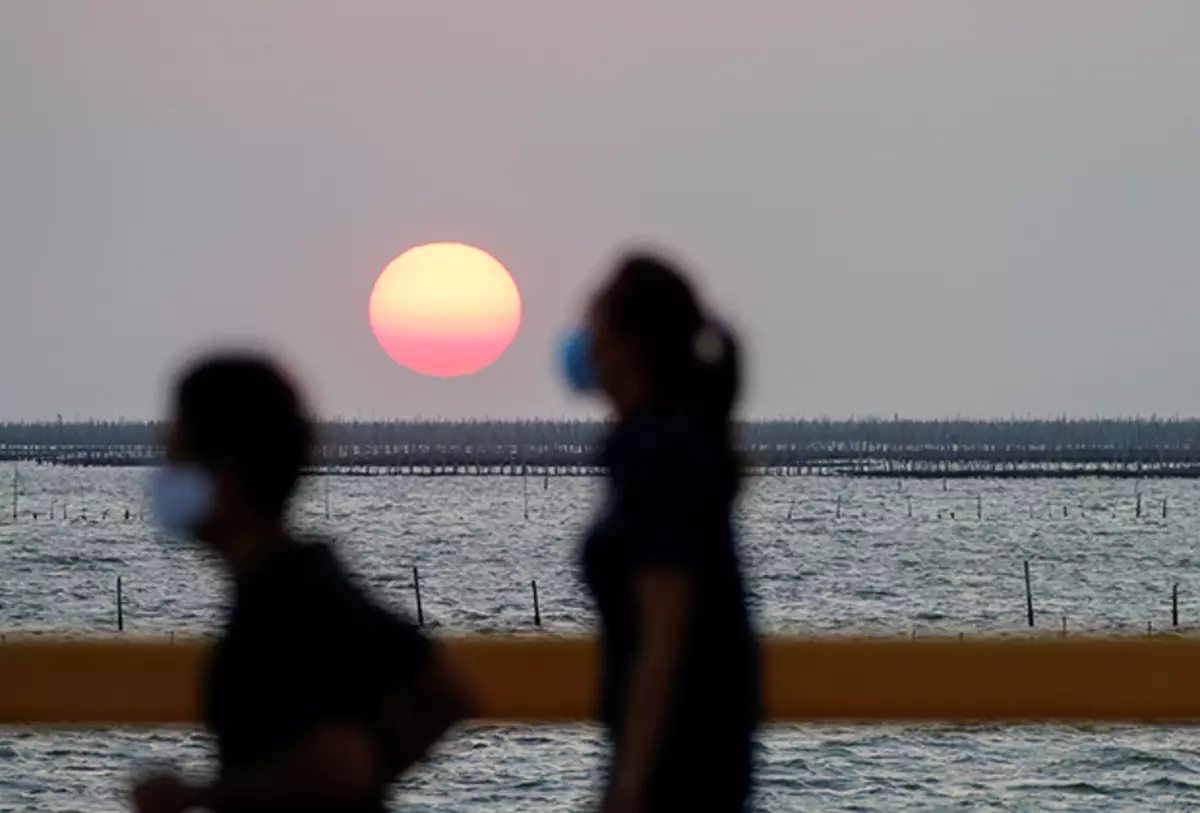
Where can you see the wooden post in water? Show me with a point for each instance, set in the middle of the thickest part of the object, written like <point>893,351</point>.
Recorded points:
<point>1164,507</point>
<point>1138,512</point>
<point>1028,595</point>
<point>326,478</point>
<point>979,506</point>
<point>525,486</point>
<point>910,507</point>
<point>537,609</point>
<point>791,506</point>
<point>417,591</point>
<point>120,607</point>
<point>838,509</point>
<point>16,489</point>
<point>1175,605</point>
<point>1064,625</point>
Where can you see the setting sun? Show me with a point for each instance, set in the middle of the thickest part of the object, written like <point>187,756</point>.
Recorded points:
<point>445,309</point>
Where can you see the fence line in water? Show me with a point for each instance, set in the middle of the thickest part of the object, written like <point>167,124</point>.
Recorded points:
<point>62,510</point>
<point>839,505</point>
<point>536,616</point>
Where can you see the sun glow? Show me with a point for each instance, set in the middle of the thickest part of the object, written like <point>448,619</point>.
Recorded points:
<point>445,309</point>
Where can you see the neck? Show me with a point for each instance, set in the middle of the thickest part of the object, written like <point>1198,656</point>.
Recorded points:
<point>630,401</point>
<point>249,547</point>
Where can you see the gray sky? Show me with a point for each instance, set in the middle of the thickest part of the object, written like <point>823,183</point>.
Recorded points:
<point>930,208</point>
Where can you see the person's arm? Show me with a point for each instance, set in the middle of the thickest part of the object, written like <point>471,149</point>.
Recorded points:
<point>342,763</point>
<point>335,764</point>
<point>413,720</point>
<point>665,605</point>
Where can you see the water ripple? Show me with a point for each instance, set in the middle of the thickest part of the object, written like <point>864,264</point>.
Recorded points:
<point>875,569</point>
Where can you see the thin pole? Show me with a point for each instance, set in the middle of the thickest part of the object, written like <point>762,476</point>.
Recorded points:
<point>326,496</point>
<point>979,506</point>
<point>120,607</point>
<point>525,486</point>
<point>1028,595</point>
<point>1175,605</point>
<point>1139,506</point>
<point>537,610</point>
<point>417,590</point>
<point>16,488</point>
<point>839,506</point>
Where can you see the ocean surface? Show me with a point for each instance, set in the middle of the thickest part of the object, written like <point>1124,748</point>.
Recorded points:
<point>830,556</point>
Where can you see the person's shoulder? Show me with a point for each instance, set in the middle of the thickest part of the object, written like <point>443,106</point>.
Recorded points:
<point>333,581</point>
<point>315,582</point>
<point>314,562</point>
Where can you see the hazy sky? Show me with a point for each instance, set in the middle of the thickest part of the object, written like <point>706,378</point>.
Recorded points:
<point>924,208</point>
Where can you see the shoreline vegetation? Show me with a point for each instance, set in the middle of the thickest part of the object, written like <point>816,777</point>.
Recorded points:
<point>900,448</point>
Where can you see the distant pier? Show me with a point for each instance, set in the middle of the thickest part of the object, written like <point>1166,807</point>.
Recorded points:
<point>895,449</point>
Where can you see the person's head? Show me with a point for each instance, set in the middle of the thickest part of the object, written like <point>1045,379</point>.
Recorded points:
<point>654,345</point>
<point>240,431</point>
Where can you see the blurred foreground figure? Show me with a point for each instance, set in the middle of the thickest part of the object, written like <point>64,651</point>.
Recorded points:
<point>318,698</point>
<point>680,687</point>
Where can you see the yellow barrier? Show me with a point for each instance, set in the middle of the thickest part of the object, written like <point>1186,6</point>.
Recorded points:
<point>1151,680</point>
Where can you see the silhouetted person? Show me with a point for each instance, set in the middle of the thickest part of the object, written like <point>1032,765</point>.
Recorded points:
<point>680,682</point>
<point>318,698</point>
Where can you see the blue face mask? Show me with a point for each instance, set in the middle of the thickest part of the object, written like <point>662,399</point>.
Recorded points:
<point>181,498</point>
<point>575,356</point>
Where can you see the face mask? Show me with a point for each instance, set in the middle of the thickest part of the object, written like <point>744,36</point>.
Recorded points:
<point>181,498</point>
<point>576,360</point>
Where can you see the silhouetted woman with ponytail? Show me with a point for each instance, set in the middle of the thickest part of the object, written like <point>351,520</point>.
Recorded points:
<point>680,682</point>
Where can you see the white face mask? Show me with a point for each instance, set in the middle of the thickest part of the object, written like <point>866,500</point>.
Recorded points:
<point>181,498</point>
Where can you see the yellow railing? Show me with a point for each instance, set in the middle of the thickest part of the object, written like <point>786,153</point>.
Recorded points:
<point>1153,680</point>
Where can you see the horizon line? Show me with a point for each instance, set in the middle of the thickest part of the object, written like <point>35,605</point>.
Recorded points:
<point>1151,418</point>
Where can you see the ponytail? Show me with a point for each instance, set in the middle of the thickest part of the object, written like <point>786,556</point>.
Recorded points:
<point>691,359</point>
<point>717,386</point>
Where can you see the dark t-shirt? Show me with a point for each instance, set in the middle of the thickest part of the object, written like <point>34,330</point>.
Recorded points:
<point>670,501</point>
<point>303,646</point>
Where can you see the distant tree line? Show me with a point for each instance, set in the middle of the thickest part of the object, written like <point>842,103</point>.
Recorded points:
<point>812,434</point>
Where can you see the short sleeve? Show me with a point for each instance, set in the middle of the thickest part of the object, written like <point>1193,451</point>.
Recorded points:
<point>357,654</point>
<point>398,651</point>
<point>669,500</point>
